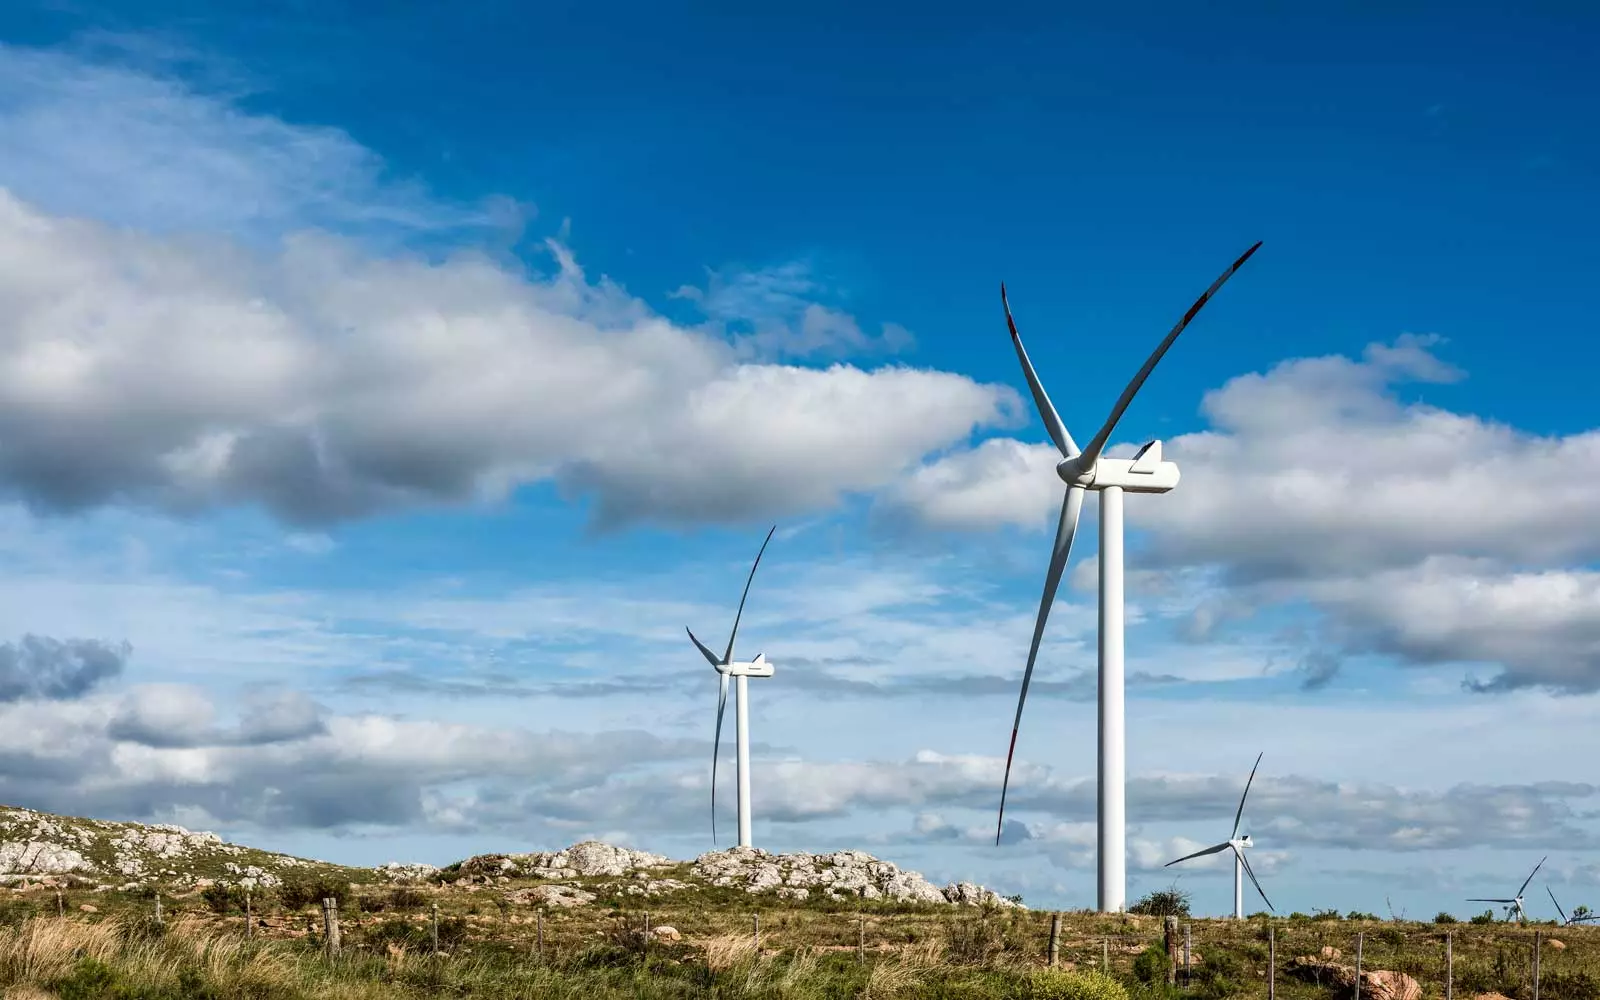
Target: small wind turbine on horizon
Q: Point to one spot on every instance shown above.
(1082, 471)
(1581, 915)
(1238, 845)
(1514, 904)
(727, 667)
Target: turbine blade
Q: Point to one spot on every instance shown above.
(716, 751)
(1238, 815)
(1199, 854)
(711, 657)
(1558, 905)
(1047, 412)
(1253, 880)
(728, 656)
(1531, 874)
(1071, 507)
(1098, 443)
(1477, 900)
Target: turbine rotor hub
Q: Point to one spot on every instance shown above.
(1073, 474)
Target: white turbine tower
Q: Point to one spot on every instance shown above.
(1237, 844)
(1111, 477)
(1514, 904)
(1581, 915)
(727, 667)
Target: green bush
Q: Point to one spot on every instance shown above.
(223, 898)
(1151, 965)
(1052, 984)
(1169, 902)
(1443, 918)
(297, 895)
(1486, 917)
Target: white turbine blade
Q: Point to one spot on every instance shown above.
(1531, 874)
(716, 751)
(1478, 900)
(1558, 905)
(1240, 814)
(1047, 412)
(728, 656)
(1098, 443)
(1071, 507)
(711, 657)
(1253, 880)
(1200, 854)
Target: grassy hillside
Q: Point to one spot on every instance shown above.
(503, 931)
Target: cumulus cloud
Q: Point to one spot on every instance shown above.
(41, 667)
(1316, 482)
(323, 384)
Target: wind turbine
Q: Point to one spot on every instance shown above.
(1576, 918)
(1238, 845)
(1084, 471)
(727, 667)
(1514, 904)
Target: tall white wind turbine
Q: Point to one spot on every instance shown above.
(1514, 904)
(1083, 471)
(727, 667)
(1237, 844)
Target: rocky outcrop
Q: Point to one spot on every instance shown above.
(589, 859)
(551, 895)
(839, 875)
(37, 847)
(1376, 984)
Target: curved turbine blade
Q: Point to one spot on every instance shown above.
(1531, 874)
(1098, 443)
(1071, 507)
(1477, 900)
(1199, 854)
(1238, 815)
(1047, 412)
(1253, 880)
(711, 657)
(728, 656)
(716, 751)
(1558, 905)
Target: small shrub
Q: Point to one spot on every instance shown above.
(302, 893)
(1358, 915)
(1486, 917)
(1052, 984)
(973, 941)
(1443, 918)
(1151, 965)
(1169, 902)
(406, 899)
(223, 898)
(1325, 915)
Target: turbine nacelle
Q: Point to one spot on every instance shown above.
(759, 667)
(1240, 843)
(1143, 473)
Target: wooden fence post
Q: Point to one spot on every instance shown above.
(1359, 937)
(861, 938)
(158, 908)
(249, 931)
(1272, 963)
(756, 919)
(539, 941)
(1055, 939)
(1169, 943)
(330, 925)
(1449, 967)
(1538, 940)
(434, 929)
(647, 933)
(1188, 952)
(1105, 955)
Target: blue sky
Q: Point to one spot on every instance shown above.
(397, 383)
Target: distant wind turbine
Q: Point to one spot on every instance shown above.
(1082, 471)
(726, 667)
(1580, 915)
(1238, 845)
(1514, 904)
